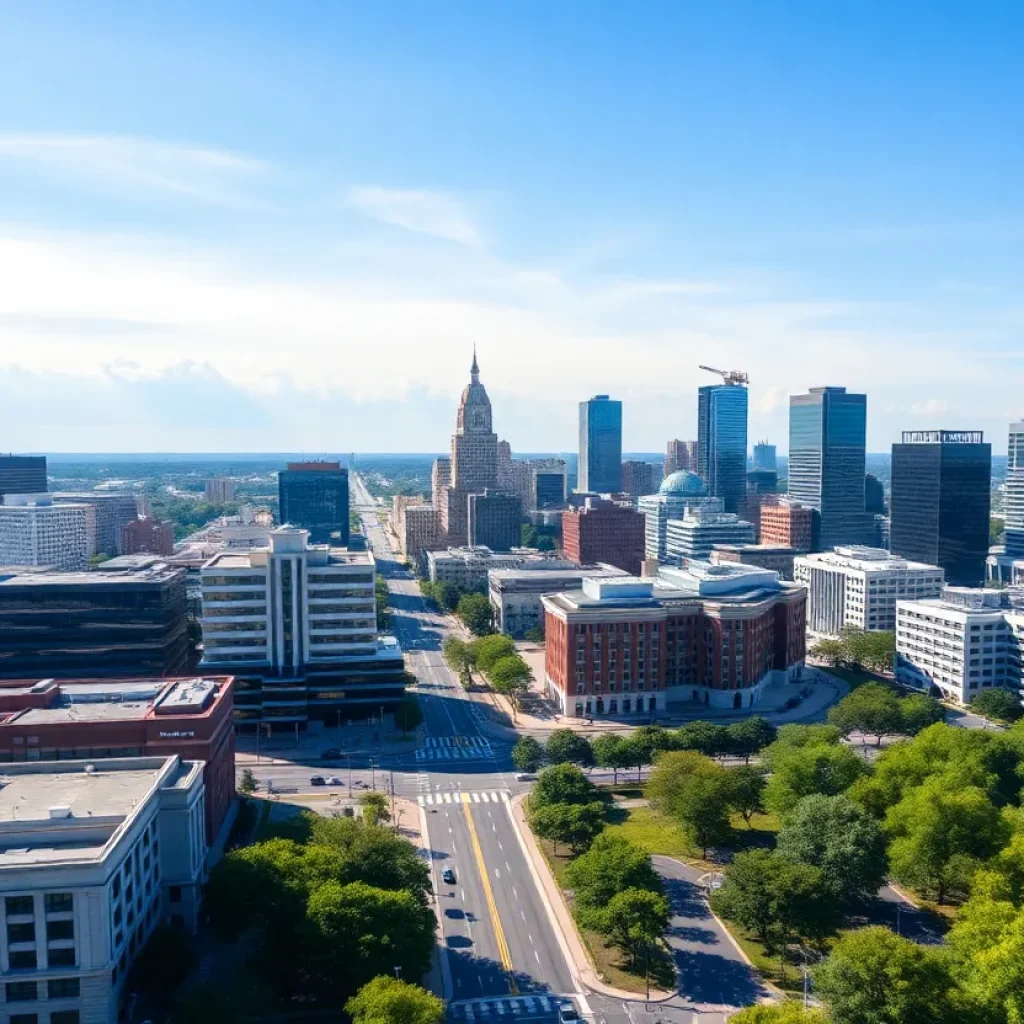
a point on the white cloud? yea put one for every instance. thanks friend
(201, 173)
(427, 213)
(931, 407)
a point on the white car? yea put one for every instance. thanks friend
(568, 1015)
(334, 781)
(524, 777)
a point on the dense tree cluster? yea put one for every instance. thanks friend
(856, 648)
(876, 709)
(494, 656)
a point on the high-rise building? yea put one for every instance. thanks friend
(637, 478)
(604, 531)
(22, 474)
(764, 458)
(678, 492)
(296, 625)
(313, 496)
(941, 496)
(722, 442)
(787, 524)
(110, 622)
(1013, 504)
(515, 476)
(680, 455)
(35, 531)
(495, 520)
(220, 489)
(827, 445)
(474, 459)
(550, 479)
(600, 459)
(113, 510)
(147, 535)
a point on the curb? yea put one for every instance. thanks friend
(549, 891)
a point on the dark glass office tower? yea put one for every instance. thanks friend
(1013, 501)
(600, 462)
(314, 495)
(827, 441)
(941, 493)
(722, 442)
(22, 474)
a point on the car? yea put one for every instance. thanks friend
(524, 777)
(333, 780)
(448, 876)
(568, 1015)
(317, 780)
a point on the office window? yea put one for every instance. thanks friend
(61, 957)
(21, 932)
(24, 1018)
(175, 893)
(21, 991)
(65, 1017)
(58, 930)
(59, 902)
(63, 988)
(22, 960)
(19, 905)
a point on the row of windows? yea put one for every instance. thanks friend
(28, 991)
(57, 1017)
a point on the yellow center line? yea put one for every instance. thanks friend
(506, 957)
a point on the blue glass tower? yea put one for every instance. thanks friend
(722, 442)
(600, 463)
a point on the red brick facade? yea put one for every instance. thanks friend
(786, 525)
(147, 536)
(604, 532)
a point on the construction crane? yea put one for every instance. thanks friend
(729, 376)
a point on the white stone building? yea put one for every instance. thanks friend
(694, 536)
(859, 586)
(92, 856)
(468, 567)
(35, 531)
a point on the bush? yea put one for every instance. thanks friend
(999, 704)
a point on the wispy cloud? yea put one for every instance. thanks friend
(427, 213)
(206, 174)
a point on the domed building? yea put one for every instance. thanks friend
(679, 490)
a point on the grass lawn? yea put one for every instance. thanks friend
(854, 677)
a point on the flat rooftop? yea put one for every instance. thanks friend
(242, 559)
(867, 559)
(157, 573)
(101, 794)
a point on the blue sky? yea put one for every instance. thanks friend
(268, 226)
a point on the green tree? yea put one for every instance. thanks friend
(487, 650)
(163, 964)
(562, 784)
(749, 737)
(386, 1000)
(375, 807)
(608, 753)
(535, 635)
(567, 747)
(789, 1011)
(527, 754)
(704, 737)
(938, 836)
(408, 714)
(610, 866)
(248, 784)
(999, 704)
(475, 612)
(836, 836)
(802, 771)
(873, 709)
(875, 977)
(695, 790)
(831, 652)
(746, 791)
(447, 595)
(918, 711)
(573, 825)
(775, 899)
(511, 677)
(459, 657)
(636, 919)
(996, 529)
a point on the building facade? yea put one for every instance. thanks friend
(107, 623)
(827, 446)
(761, 556)
(113, 511)
(694, 535)
(95, 855)
(221, 489)
(35, 531)
(515, 593)
(604, 531)
(23, 474)
(421, 531)
(296, 625)
(515, 476)
(765, 459)
(599, 470)
(468, 568)
(787, 524)
(677, 492)
(314, 496)
(859, 586)
(147, 535)
(680, 455)
(495, 520)
(550, 484)
(712, 635)
(722, 442)
(941, 502)
(637, 478)
(1013, 501)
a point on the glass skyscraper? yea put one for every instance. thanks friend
(1014, 500)
(600, 463)
(722, 442)
(314, 496)
(827, 444)
(940, 502)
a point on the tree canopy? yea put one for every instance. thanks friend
(475, 612)
(1000, 704)
(567, 747)
(386, 1000)
(527, 754)
(562, 784)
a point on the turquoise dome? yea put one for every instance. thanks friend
(684, 483)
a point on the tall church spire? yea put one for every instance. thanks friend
(474, 370)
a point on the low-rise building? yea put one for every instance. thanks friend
(692, 537)
(93, 855)
(961, 643)
(515, 593)
(678, 492)
(220, 489)
(604, 531)
(788, 524)
(638, 478)
(711, 634)
(859, 586)
(147, 535)
(468, 567)
(35, 531)
(764, 556)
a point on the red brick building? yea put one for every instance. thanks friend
(604, 531)
(788, 524)
(76, 719)
(147, 535)
(715, 635)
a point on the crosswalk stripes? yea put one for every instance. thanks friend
(474, 797)
(448, 748)
(515, 1006)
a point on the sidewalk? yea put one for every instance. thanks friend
(561, 919)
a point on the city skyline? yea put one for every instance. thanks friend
(235, 263)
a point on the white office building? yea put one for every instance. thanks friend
(467, 567)
(678, 492)
(962, 643)
(859, 586)
(693, 537)
(35, 531)
(92, 856)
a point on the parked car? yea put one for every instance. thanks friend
(448, 876)
(568, 1015)
(524, 777)
(333, 780)
(317, 780)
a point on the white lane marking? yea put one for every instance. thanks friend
(476, 798)
(497, 872)
(447, 798)
(537, 955)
